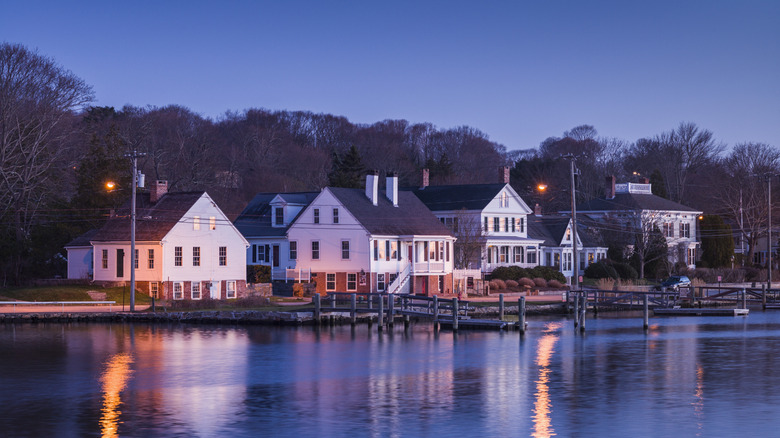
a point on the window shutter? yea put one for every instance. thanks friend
(254, 253)
(267, 251)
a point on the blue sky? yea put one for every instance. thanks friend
(520, 71)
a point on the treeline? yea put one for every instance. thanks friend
(58, 152)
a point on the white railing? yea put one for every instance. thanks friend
(428, 267)
(57, 303)
(287, 274)
(397, 286)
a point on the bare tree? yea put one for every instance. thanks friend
(470, 239)
(37, 101)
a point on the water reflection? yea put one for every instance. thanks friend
(698, 403)
(113, 381)
(543, 405)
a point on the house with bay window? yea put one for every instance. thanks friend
(355, 240)
(635, 207)
(265, 222)
(490, 222)
(185, 247)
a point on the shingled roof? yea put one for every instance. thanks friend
(256, 219)
(551, 229)
(458, 197)
(153, 221)
(82, 240)
(632, 202)
(411, 217)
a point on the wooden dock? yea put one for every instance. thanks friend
(701, 312)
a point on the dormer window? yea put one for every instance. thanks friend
(278, 216)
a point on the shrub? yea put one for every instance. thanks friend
(497, 285)
(547, 273)
(605, 284)
(258, 274)
(511, 284)
(526, 282)
(540, 282)
(508, 273)
(601, 269)
(555, 284)
(625, 271)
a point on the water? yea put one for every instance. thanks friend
(712, 376)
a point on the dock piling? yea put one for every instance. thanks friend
(381, 313)
(646, 313)
(317, 308)
(521, 314)
(455, 314)
(576, 311)
(583, 311)
(353, 309)
(435, 311)
(500, 307)
(390, 310)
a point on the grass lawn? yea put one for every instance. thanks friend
(71, 293)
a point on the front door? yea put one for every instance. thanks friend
(216, 291)
(276, 256)
(120, 263)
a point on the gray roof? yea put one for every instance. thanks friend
(632, 202)
(82, 240)
(153, 222)
(458, 197)
(551, 230)
(256, 219)
(411, 217)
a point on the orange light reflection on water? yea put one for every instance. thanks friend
(543, 405)
(114, 380)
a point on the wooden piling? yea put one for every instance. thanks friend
(454, 314)
(435, 311)
(576, 311)
(646, 313)
(317, 308)
(353, 309)
(332, 301)
(583, 311)
(744, 298)
(568, 309)
(500, 307)
(390, 310)
(763, 296)
(381, 313)
(521, 314)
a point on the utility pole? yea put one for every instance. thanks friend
(769, 233)
(134, 156)
(575, 261)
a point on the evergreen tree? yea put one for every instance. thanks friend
(347, 170)
(717, 242)
(658, 185)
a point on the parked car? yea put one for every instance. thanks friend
(675, 282)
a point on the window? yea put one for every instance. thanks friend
(104, 262)
(345, 250)
(195, 291)
(557, 261)
(440, 252)
(196, 223)
(590, 258)
(195, 256)
(394, 250)
(380, 282)
(567, 261)
(531, 255)
(504, 200)
(486, 224)
(685, 230)
(293, 250)
(582, 261)
(381, 246)
(223, 256)
(448, 251)
(522, 224)
(496, 224)
(315, 249)
(518, 254)
(513, 224)
(316, 215)
(261, 253)
(177, 256)
(668, 229)
(154, 290)
(230, 293)
(376, 250)
(330, 281)
(135, 259)
(387, 250)
(568, 234)
(351, 282)
(178, 290)
(504, 255)
(212, 223)
(506, 224)
(151, 258)
(279, 215)
(335, 215)
(691, 256)
(391, 278)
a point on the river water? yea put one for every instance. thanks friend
(691, 376)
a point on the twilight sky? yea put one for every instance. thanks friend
(520, 71)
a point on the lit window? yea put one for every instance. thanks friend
(293, 250)
(195, 256)
(315, 249)
(178, 290)
(195, 290)
(330, 281)
(212, 223)
(223, 256)
(177, 256)
(394, 250)
(351, 282)
(196, 223)
(230, 293)
(151, 258)
(518, 253)
(345, 249)
(381, 249)
(504, 200)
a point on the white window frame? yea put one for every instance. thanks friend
(196, 223)
(293, 250)
(230, 289)
(213, 223)
(347, 249)
(351, 284)
(135, 259)
(195, 291)
(178, 290)
(315, 249)
(177, 256)
(195, 256)
(150, 259)
(330, 282)
(223, 256)
(278, 210)
(335, 215)
(154, 290)
(104, 262)
(380, 282)
(316, 213)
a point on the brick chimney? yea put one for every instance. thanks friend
(372, 186)
(426, 178)
(537, 210)
(157, 190)
(503, 174)
(610, 193)
(391, 188)
(644, 180)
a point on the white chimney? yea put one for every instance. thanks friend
(392, 188)
(372, 186)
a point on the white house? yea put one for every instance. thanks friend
(634, 206)
(264, 223)
(556, 249)
(356, 240)
(186, 248)
(492, 216)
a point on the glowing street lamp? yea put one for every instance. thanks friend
(110, 185)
